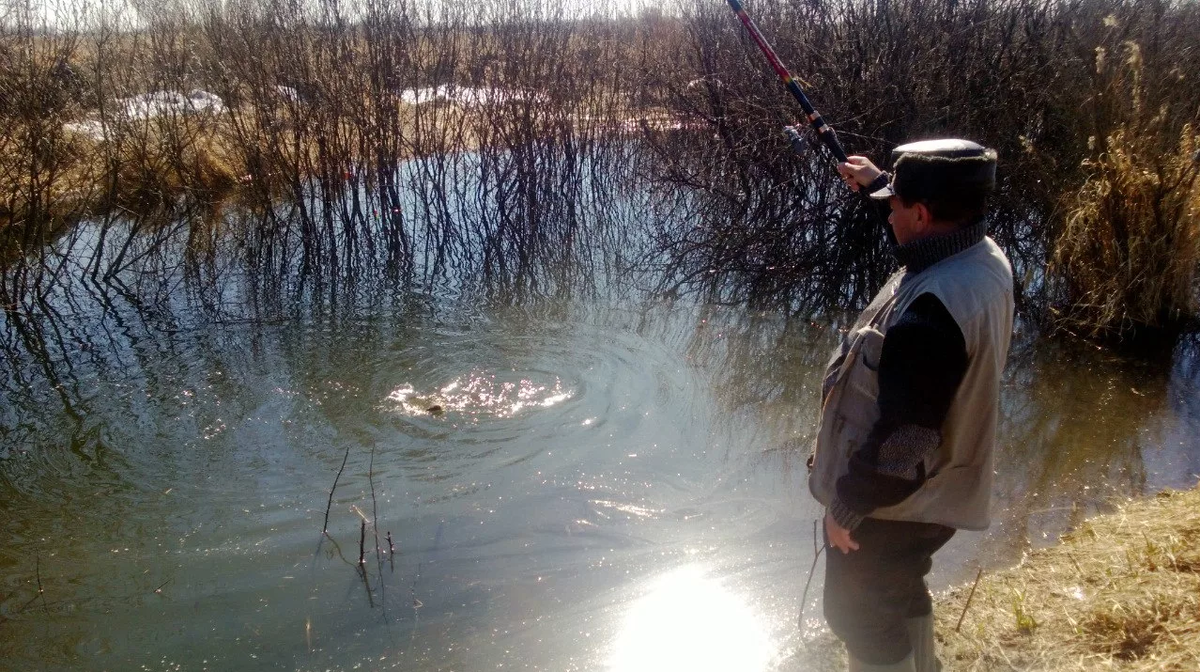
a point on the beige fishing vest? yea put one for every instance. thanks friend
(975, 285)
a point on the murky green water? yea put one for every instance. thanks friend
(606, 486)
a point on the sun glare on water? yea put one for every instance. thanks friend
(688, 621)
(480, 393)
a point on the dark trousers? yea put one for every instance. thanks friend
(870, 592)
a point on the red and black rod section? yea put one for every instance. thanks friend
(824, 131)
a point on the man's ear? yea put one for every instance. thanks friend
(923, 219)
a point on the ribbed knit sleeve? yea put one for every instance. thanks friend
(923, 362)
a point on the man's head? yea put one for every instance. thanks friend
(938, 185)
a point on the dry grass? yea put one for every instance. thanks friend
(1120, 593)
(1131, 244)
(1129, 249)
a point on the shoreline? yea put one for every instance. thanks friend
(1122, 591)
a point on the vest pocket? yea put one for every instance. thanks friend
(858, 407)
(863, 360)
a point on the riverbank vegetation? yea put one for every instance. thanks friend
(1121, 592)
(1060, 89)
(297, 121)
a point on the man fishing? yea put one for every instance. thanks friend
(910, 399)
(903, 455)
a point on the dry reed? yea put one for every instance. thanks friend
(1129, 251)
(1122, 592)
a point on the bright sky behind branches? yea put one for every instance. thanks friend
(132, 14)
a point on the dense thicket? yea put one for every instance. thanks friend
(1056, 87)
(319, 107)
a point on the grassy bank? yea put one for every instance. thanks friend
(1121, 592)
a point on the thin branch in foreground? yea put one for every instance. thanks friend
(38, 573)
(329, 504)
(362, 540)
(375, 530)
(970, 595)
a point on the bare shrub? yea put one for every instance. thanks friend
(1017, 75)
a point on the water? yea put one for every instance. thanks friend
(572, 476)
(608, 485)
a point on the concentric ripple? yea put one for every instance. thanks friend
(481, 393)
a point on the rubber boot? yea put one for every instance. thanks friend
(906, 665)
(920, 635)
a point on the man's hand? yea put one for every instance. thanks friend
(839, 537)
(858, 172)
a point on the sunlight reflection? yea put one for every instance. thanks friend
(690, 622)
(481, 393)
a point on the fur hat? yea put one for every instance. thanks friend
(931, 168)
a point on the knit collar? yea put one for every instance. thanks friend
(921, 254)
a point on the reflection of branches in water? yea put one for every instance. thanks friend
(1073, 432)
(769, 370)
(527, 221)
(40, 339)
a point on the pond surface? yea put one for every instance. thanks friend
(567, 484)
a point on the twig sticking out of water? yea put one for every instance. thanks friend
(362, 560)
(158, 590)
(391, 552)
(412, 590)
(362, 540)
(416, 607)
(374, 504)
(375, 531)
(329, 505)
(37, 570)
(971, 594)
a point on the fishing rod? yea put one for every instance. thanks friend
(824, 131)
